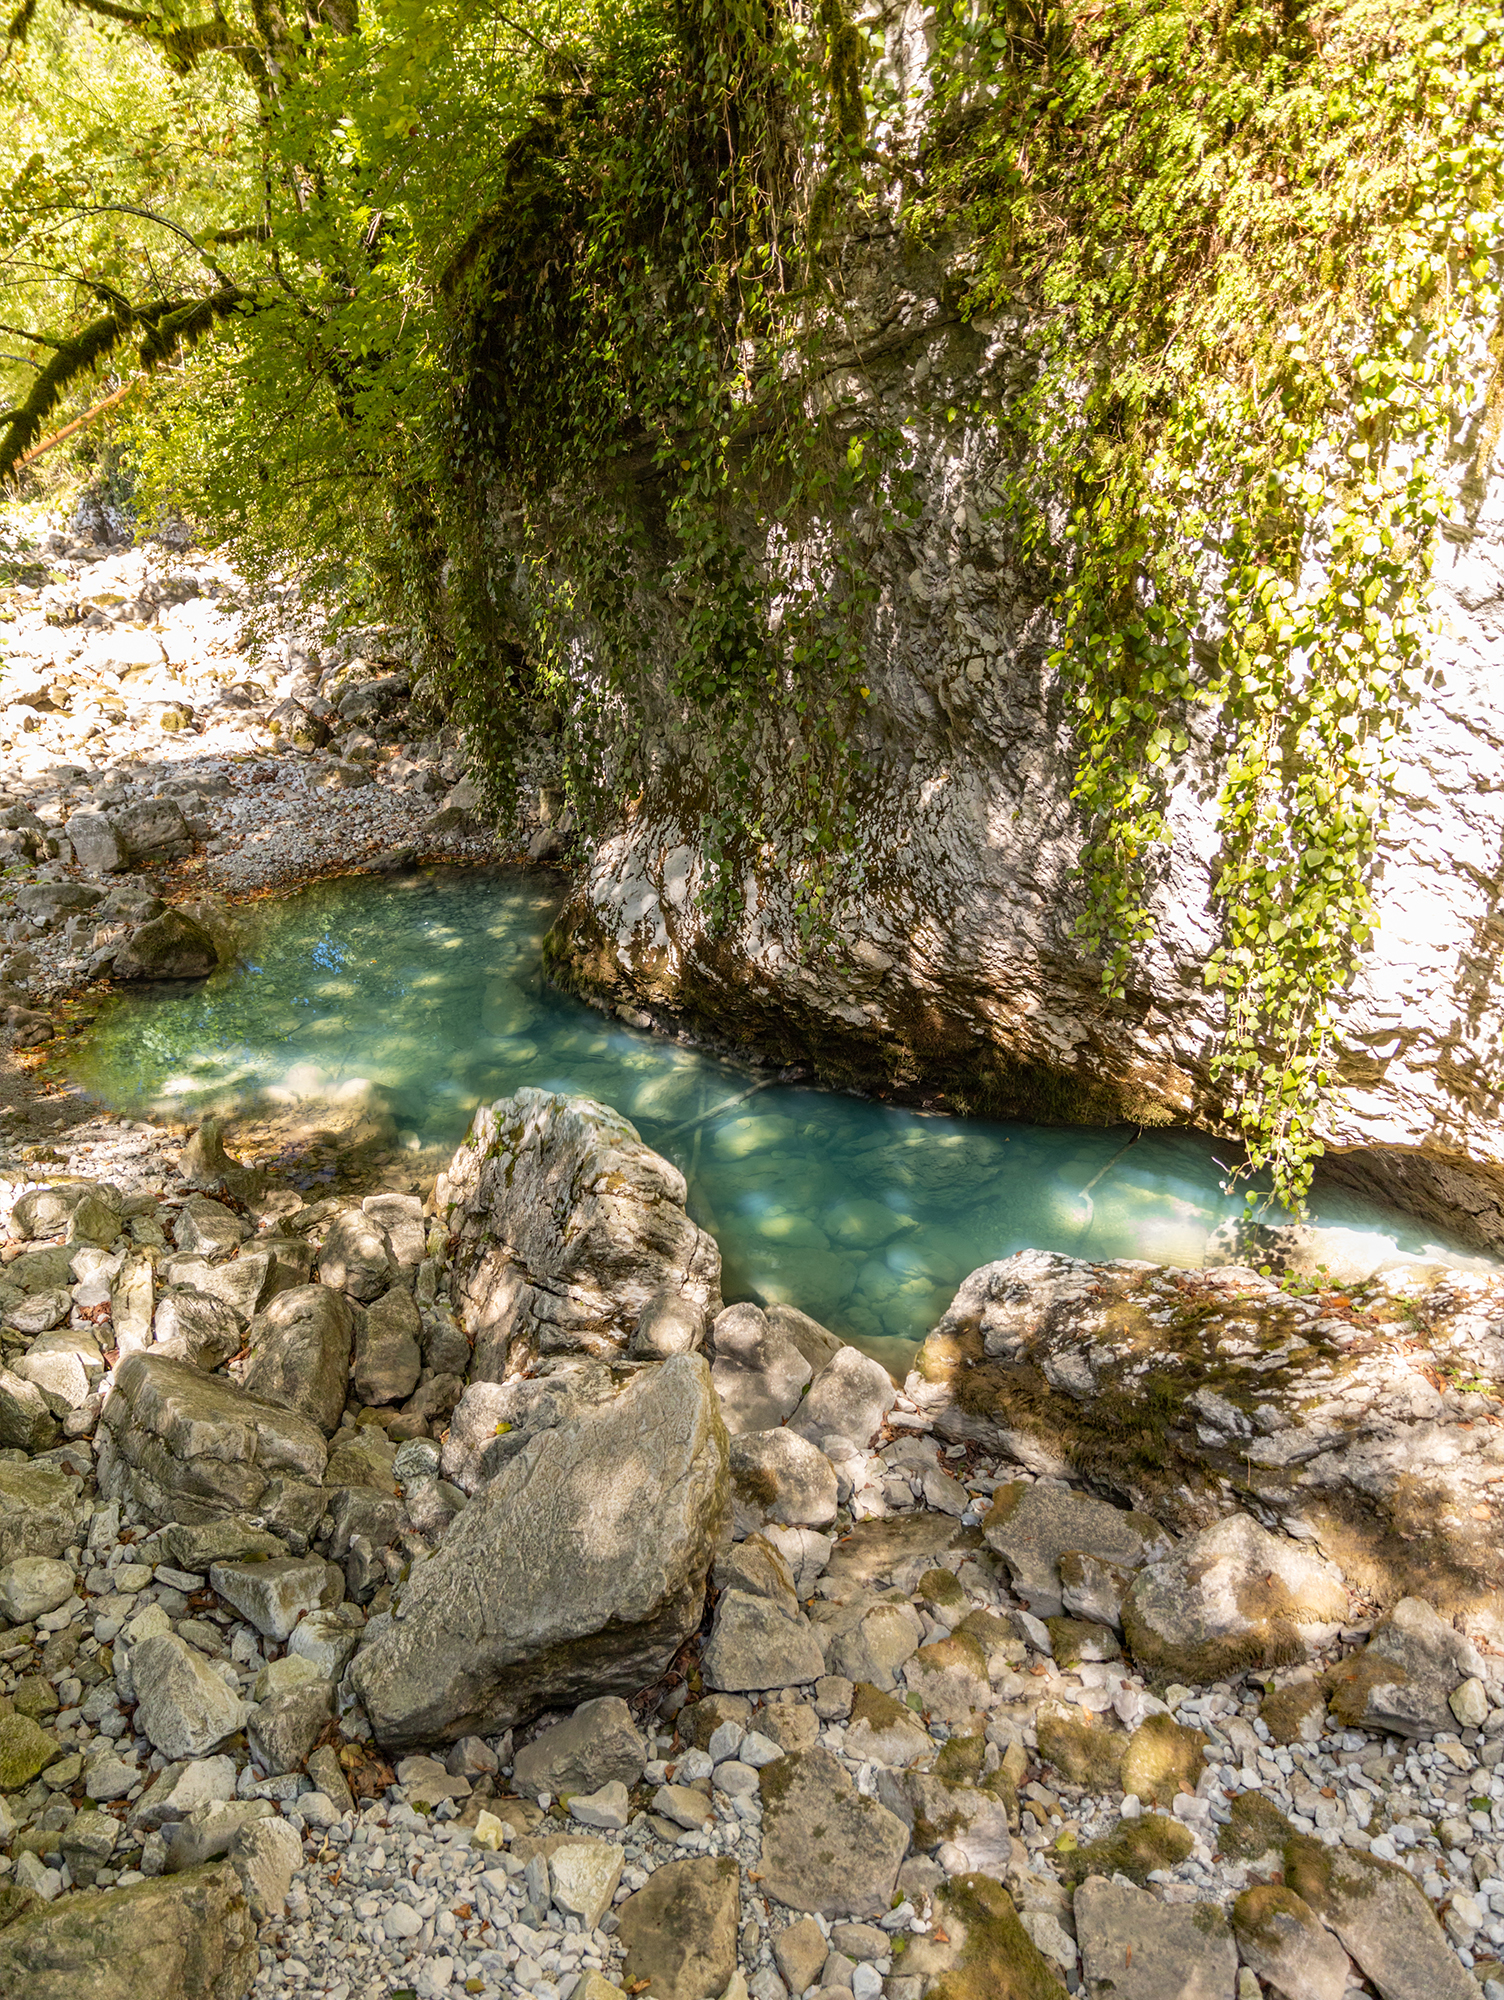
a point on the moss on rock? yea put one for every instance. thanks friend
(1135, 1849)
(1255, 1826)
(996, 1959)
(1163, 1759)
(1085, 1749)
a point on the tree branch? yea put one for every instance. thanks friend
(167, 327)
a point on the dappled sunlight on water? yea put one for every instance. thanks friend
(425, 997)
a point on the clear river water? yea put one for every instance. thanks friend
(425, 995)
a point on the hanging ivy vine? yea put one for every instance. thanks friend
(1254, 251)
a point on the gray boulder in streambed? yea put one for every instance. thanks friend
(171, 946)
(578, 1571)
(567, 1227)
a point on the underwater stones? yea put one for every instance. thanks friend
(578, 1571)
(1033, 1526)
(1405, 1677)
(568, 1224)
(778, 1476)
(1230, 1598)
(300, 1353)
(758, 1372)
(171, 946)
(183, 1446)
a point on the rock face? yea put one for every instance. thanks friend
(1176, 1392)
(568, 1226)
(958, 969)
(577, 1572)
(185, 1446)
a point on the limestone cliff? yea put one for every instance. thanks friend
(956, 972)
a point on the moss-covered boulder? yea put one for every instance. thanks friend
(1135, 1848)
(1282, 1940)
(1085, 1749)
(25, 1751)
(1162, 1760)
(1294, 1714)
(979, 1950)
(1230, 1598)
(1381, 1916)
(1256, 1829)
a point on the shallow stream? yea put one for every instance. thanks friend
(426, 995)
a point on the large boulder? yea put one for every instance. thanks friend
(1165, 1388)
(183, 1446)
(300, 1353)
(1033, 1526)
(567, 1225)
(579, 1571)
(171, 946)
(1229, 1599)
(759, 1373)
(38, 1511)
(189, 1935)
(494, 1421)
(1405, 1677)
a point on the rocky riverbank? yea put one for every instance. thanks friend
(410, 1596)
(163, 753)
